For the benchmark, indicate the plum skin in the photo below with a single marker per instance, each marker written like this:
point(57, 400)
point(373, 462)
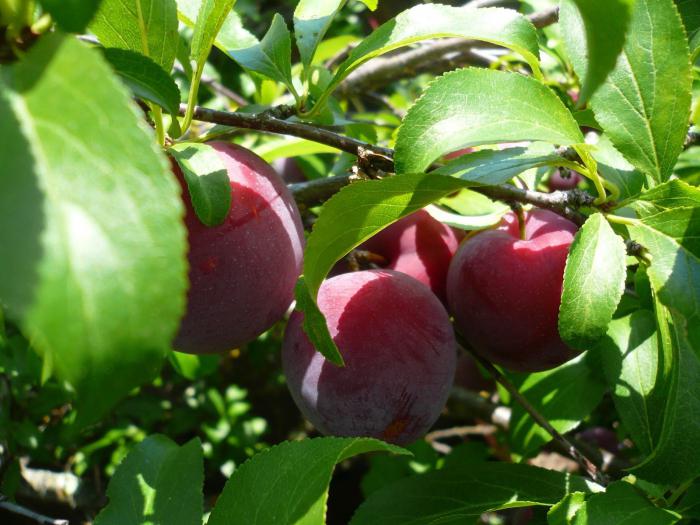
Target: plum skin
point(558, 183)
point(505, 292)
point(399, 350)
point(242, 273)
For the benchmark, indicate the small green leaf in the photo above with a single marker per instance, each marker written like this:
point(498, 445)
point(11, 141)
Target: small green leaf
point(145, 78)
point(193, 366)
point(690, 12)
point(621, 504)
point(350, 217)
point(453, 495)
point(563, 512)
point(148, 27)
point(207, 181)
point(272, 56)
point(667, 196)
point(613, 166)
point(564, 396)
point(93, 220)
point(71, 15)
point(594, 280)
point(491, 166)
point(312, 18)
point(635, 371)
point(644, 105)
point(470, 107)
point(291, 147)
point(583, 22)
point(210, 18)
point(474, 211)
point(371, 4)
point(158, 482)
point(288, 483)
point(675, 270)
point(232, 34)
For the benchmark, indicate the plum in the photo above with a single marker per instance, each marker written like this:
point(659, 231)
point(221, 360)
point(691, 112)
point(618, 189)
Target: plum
point(557, 182)
point(289, 170)
point(243, 272)
point(505, 292)
point(416, 245)
point(399, 350)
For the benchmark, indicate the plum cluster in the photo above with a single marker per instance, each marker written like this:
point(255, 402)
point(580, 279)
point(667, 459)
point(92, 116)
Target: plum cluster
point(391, 319)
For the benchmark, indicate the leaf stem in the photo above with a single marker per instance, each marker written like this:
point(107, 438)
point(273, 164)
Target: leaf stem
point(591, 171)
point(158, 119)
point(627, 221)
point(192, 98)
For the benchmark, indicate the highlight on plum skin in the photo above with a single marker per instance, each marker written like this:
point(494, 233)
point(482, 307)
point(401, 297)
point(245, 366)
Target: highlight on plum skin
point(505, 292)
point(243, 272)
point(399, 350)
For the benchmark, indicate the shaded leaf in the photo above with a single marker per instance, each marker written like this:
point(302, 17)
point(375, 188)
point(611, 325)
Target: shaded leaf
point(312, 18)
point(210, 18)
point(71, 15)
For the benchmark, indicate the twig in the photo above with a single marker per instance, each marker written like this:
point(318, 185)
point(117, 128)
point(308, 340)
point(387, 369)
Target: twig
point(586, 464)
point(37, 518)
point(383, 71)
point(692, 139)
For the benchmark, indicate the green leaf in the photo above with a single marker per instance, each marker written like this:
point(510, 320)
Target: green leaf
point(563, 512)
point(474, 211)
point(93, 220)
point(503, 27)
point(312, 18)
point(371, 4)
point(148, 27)
point(594, 280)
point(616, 169)
point(492, 166)
point(564, 396)
point(288, 483)
point(675, 269)
point(689, 506)
point(207, 181)
point(690, 13)
point(210, 18)
point(452, 495)
point(158, 482)
point(644, 105)
point(193, 366)
point(272, 56)
point(71, 15)
point(582, 23)
point(637, 373)
point(667, 196)
point(621, 504)
point(145, 78)
point(291, 147)
point(232, 34)
point(350, 217)
point(470, 107)
point(675, 458)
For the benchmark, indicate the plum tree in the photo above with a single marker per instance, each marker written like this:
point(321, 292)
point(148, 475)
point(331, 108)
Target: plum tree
point(399, 350)
point(557, 181)
point(505, 292)
point(416, 245)
point(242, 272)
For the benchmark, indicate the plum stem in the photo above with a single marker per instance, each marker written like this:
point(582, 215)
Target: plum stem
point(586, 463)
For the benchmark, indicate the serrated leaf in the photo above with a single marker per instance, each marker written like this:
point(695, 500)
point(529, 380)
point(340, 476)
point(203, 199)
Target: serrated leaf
point(690, 13)
point(563, 512)
point(594, 280)
point(93, 220)
point(674, 271)
point(470, 107)
point(288, 483)
point(148, 27)
point(312, 18)
point(621, 504)
point(145, 78)
point(667, 196)
point(674, 459)
point(207, 181)
point(503, 27)
point(636, 371)
point(158, 482)
point(564, 396)
point(680, 224)
point(232, 34)
point(349, 218)
point(582, 23)
point(492, 166)
point(71, 15)
point(452, 495)
point(210, 19)
point(613, 166)
point(644, 104)
point(272, 56)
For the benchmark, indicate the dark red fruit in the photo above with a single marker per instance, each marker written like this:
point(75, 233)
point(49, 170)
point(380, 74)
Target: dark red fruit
point(557, 182)
point(505, 292)
point(242, 273)
point(399, 350)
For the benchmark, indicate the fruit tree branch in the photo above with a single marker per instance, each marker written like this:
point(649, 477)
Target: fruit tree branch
point(383, 71)
point(27, 515)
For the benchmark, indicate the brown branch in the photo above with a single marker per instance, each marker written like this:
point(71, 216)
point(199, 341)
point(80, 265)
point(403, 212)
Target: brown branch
point(383, 71)
point(692, 139)
point(27, 514)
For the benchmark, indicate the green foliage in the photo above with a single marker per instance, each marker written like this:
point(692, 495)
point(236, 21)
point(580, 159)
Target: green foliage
point(470, 107)
point(594, 280)
point(207, 181)
point(104, 335)
point(158, 482)
point(71, 15)
point(312, 18)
